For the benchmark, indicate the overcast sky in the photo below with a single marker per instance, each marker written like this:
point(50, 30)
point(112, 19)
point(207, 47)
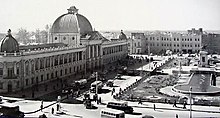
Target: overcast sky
point(114, 14)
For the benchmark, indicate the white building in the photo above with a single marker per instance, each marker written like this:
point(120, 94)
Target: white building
point(159, 42)
point(73, 48)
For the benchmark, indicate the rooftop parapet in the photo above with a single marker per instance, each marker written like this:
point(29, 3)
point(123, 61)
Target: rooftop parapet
point(38, 51)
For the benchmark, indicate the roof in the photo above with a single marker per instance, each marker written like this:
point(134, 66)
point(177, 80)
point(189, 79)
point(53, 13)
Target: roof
point(42, 46)
point(9, 44)
point(72, 22)
point(96, 82)
point(112, 110)
point(94, 35)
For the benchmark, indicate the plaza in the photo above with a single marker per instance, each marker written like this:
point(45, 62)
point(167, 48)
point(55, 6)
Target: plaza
point(75, 68)
point(165, 110)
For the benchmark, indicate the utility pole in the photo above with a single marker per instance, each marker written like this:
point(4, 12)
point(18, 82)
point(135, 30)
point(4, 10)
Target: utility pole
point(96, 91)
point(149, 56)
point(190, 115)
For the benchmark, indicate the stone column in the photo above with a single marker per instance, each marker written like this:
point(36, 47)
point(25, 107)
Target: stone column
point(15, 68)
point(52, 60)
point(30, 67)
point(58, 58)
point(38, 62)
point(63, 56)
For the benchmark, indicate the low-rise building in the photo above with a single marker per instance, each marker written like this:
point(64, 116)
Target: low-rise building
point(159, 42)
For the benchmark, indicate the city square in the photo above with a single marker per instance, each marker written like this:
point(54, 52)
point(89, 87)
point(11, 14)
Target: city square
point(77, 67)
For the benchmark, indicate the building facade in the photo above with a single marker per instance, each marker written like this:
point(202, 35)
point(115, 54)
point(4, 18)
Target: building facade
point(137, 44)
point(159, 42)
point(74, 47)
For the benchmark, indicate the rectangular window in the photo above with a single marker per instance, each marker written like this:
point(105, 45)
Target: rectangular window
point(32, 80)
point(1, 85)
point(26, 82)
point(1, 71)
point(61, 72)
point(70, 69)
point(48, 76)
point(203, 59)
point(10, 72)
point(36, 64)
point(18, 83)
point(42, 78)
point(51, 75)
point(65, 71)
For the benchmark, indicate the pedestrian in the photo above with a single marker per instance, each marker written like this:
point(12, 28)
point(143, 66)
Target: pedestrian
point(140, 101)
point(58, 107)
point(42, 102)
point(154, 107)
point(52, 110)
point(100, 100)
point(174, 104)
point(41, 107)
point(120, 90)
point(176, 115)
point(112, 92)
point(168, 101)
point(113, 89)
point(184, 105)
point(95, 97)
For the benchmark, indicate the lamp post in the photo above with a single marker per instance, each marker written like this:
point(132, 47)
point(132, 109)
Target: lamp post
point(149, 58)
point(96, 87)
point(142, 66)
point(190, 95)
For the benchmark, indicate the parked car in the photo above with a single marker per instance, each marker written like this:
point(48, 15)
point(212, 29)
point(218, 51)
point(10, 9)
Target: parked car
point(118, 76)
point(110, 83)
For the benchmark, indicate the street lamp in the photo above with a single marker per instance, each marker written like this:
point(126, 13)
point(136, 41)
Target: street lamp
point(190, 94)
point(149, 57)
point(96, 88)
point(142, 66)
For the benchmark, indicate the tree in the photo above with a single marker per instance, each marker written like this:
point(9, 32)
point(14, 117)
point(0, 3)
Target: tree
point(23, 36)
point(37, 36)
point(44, 36)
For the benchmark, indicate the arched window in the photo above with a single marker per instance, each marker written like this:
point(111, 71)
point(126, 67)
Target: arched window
point(73, 38)
point(64, 38)
point(55, 38)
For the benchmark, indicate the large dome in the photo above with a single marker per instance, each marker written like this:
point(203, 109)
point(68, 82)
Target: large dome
point(72, 22)
point(9, 44)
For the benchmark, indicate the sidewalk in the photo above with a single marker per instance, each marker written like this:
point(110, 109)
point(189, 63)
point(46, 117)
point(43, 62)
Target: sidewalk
point(195, 108)
point(43, 89)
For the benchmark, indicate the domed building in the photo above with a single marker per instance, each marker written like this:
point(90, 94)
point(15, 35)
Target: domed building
point(9, 44)
point(69, 27)
point(74, 48)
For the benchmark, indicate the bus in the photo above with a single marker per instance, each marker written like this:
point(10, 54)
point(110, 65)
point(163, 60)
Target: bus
point(95, 84)
point(120, 106)
point(112, 113)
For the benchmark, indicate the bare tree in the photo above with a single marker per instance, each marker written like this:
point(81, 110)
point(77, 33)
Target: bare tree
point(23, 35)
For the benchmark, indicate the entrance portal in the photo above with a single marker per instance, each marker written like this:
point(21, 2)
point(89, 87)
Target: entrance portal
point(9, 86)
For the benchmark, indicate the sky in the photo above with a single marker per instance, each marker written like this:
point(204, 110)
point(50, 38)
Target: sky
point(113, 14)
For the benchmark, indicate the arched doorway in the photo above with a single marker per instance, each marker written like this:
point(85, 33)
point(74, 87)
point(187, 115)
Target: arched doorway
point(9, 86)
